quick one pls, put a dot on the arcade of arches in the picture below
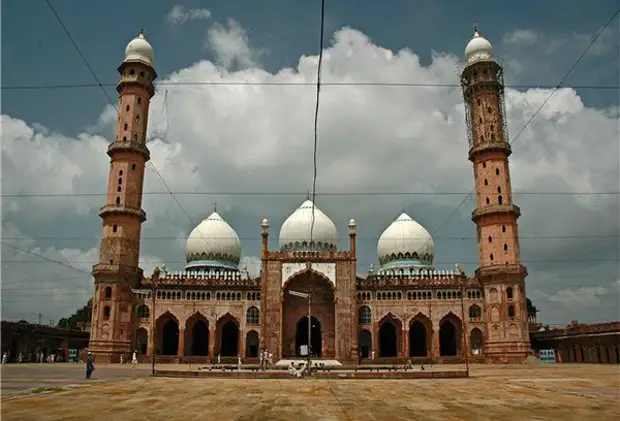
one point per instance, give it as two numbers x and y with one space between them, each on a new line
201 337
389 337
417 340
295 317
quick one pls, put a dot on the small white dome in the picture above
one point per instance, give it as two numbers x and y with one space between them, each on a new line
478 48
213 243
405 243
295 231
139 49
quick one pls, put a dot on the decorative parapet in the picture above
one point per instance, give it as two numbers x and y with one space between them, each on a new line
212 278
423 279
309 256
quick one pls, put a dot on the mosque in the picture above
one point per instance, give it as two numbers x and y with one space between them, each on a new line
404 309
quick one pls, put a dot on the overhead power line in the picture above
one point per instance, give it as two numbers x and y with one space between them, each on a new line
94 75
527 123
439 262
360 238
169 84
325 194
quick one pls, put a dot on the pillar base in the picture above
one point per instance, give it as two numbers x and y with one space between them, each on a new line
507 352
110 351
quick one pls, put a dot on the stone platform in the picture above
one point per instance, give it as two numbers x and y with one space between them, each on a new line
328 374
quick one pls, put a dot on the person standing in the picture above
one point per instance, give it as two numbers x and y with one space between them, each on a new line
134 359
90 365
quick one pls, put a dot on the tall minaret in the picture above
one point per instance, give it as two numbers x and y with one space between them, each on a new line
118 269
495 216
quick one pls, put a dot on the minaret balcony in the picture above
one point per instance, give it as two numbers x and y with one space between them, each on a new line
122 209
479 213
491 271
481 147
129 146
104 272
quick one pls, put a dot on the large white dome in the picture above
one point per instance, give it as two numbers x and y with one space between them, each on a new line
478 48
213 243
405 243
295 231
139 49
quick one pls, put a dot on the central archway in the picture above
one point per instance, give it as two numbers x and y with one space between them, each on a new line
301 336
390 339
295 316
417 339
450 332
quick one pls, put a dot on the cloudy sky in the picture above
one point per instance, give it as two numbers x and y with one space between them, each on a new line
381 148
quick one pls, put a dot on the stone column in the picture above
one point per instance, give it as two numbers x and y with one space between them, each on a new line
375 339
149 345
242 337
181 347
212 338
405 346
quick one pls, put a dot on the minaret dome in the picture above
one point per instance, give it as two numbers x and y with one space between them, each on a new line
139 49
478 48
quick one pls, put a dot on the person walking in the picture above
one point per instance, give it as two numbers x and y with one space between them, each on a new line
90 365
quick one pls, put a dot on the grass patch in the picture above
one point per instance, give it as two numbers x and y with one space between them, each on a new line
47 389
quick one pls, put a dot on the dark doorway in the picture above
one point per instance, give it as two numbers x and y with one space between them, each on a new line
230 340
142 341
170 344
200 338
301 336
447 339
388 340
417 339
251 344
365 341
476 340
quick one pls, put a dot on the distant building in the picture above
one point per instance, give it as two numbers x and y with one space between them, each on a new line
30 339
404 309
580 343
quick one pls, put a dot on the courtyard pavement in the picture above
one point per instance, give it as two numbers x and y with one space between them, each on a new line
519 392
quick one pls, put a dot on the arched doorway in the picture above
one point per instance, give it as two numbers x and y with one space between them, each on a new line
301 336
229 345
295 309
365 343
476 340
251 344
418 335
200 338
388 339
197 336
142 340
170 338
449 336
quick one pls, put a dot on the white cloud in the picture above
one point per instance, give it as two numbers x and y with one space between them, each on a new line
521 37
371 139
178 15
231 46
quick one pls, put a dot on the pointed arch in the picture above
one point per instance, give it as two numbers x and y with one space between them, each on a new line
450 335
390 335
167 328
310 273
420 335
227 335
196 335
476 341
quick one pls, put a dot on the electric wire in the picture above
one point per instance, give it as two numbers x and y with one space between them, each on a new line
316 118
325 194
169 84
554 90
94 75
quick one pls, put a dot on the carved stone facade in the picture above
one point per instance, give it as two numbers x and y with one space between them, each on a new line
405 310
